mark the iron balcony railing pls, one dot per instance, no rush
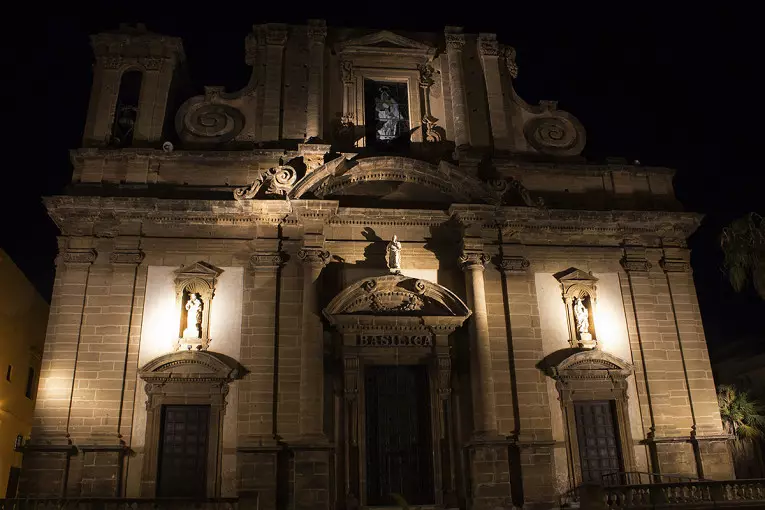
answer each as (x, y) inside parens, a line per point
(129, 504)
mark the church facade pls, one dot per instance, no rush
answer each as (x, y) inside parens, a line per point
(375, 270)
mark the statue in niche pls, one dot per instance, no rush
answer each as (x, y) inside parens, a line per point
(193, 317)
(394, 253)
(582, 319)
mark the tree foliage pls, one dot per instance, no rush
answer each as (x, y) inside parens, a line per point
(742, 416)
(743, 245)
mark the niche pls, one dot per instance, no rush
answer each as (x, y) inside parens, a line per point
(579, 292)
(194, 290)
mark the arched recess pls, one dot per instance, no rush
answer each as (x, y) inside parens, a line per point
(193, 378)
(591, 376)
(126, 108)
(397, 320)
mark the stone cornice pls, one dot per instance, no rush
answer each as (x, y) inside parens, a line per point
(71, 211)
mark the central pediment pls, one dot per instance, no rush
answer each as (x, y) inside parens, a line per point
(386, 42)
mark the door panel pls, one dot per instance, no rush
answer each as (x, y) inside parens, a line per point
(183, 451)
(599, 449)
(399, 452)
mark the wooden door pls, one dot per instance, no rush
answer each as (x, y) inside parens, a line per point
(399, 451)
(599, 449)
(183, 451)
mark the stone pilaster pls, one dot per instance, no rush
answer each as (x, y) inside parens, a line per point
(312, 348)
(455, 41)
(276, 38)
(484, 411)
(490, 57)
(659, 353)
(317, 33)
(533, 425)
(349, 96)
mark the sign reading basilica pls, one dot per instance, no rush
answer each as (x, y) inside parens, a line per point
(374, 270)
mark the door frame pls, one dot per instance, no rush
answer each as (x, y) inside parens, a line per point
(186, 378)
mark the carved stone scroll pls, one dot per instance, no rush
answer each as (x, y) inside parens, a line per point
(280, 181)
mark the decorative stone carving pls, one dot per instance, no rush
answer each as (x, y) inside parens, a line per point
(410, 303)
(433, 132)
(514, 264)
(194, 291)
(126, 257)
(280, 179)
(201, 121)
(426, 75)
(276, 35)
(473, 260)
(346, 68)
(455, 41)
(314, 256)
(580, 296)
(488, 45)
(444, 367)
(508, 52)
(393, 254)
(317, 31)
(369, 285)
(557, 134)
(79, 256)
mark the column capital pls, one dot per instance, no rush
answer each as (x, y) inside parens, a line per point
(317, 31)
(635, 264)
(346, 67)
(514, 264)
(134, 257)
(488, 45)
(79, 256)
(314, 256)
(674, 265)
(276, 34)
(473, 260)
(266, 260)
(454, 41)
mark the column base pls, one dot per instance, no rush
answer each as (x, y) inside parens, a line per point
(311, 465)
(258, 467)
(716, 458)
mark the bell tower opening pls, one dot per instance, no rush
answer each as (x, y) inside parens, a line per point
(126, 109)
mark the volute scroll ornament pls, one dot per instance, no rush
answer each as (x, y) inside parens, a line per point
(473, 260)
(314, 256)
(555, 133)
(201, 120)
(280, 179)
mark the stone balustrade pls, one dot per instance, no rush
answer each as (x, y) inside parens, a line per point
(244, 503)
(689, 495)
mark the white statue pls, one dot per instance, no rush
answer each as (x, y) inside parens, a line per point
(394, 253)
(582, 320)
(193, 317)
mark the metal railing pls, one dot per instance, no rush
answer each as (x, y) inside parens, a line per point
(129, 504)
(697, 493)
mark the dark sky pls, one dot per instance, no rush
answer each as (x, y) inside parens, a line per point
(677, 89)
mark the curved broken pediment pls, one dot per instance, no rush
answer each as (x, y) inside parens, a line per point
(585, 364)
(191, 366)
(397, 178)
(397, 296)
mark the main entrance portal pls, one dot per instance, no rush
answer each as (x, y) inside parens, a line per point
(399, 452)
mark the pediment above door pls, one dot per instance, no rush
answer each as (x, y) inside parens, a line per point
(384, 43)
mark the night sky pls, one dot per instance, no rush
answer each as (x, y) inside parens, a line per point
(665, 88)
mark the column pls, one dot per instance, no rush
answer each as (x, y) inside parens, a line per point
(484, 413)
(489, 50)
(276, 38)
(455, 41)
(317, 33)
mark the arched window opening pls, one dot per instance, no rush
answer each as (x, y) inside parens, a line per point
(126, 110)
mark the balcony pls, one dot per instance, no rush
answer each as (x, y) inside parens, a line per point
(243, 503)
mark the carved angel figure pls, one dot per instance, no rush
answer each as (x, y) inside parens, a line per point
(394, 253)
(582, 316)
(194, 317)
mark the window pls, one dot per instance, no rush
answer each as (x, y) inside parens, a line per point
(30, 382)
(8, 373)
(126, 110)
(387, 112)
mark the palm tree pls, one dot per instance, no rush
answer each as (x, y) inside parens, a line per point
(743, 245)
(742, 416)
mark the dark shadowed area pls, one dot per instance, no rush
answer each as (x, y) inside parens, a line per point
(667, 89)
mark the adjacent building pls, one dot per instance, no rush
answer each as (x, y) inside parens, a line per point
(23, 316)
(375, 269)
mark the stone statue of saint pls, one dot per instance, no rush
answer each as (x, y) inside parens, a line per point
(394, 253)
(582, 317)
(194, 317)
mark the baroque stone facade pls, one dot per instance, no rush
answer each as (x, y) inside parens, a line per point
(226, 297)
